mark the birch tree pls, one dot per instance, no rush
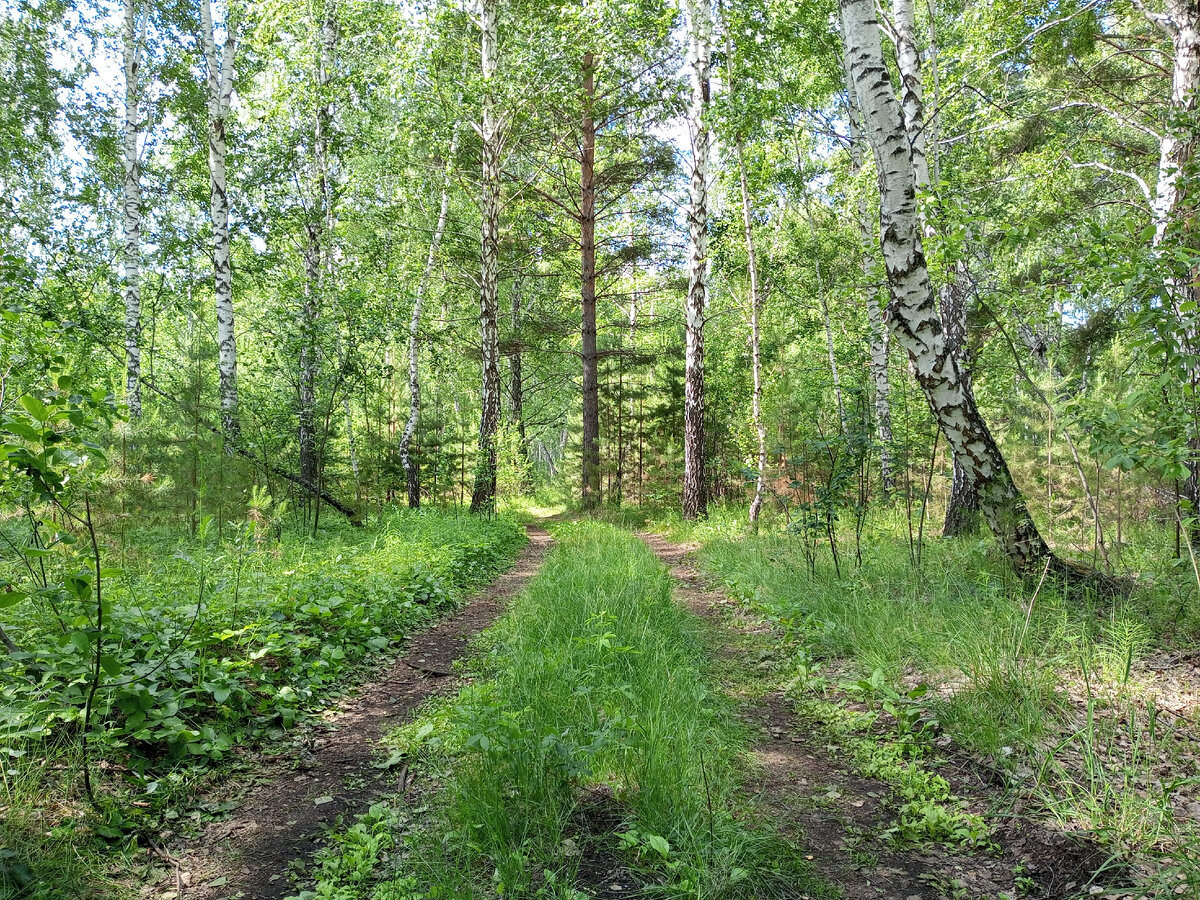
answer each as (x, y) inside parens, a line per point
(318, 236)
(483, 496)
(878, 338)
(913, 311)
(133, 35)
(1173, 224)
(219, 72)
(411, 468)
(699, 26)
(952, 296)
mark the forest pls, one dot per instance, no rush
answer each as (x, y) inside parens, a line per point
(599, 448)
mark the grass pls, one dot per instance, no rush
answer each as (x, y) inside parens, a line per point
(592, 733)
(1050, 689)
(210, 643)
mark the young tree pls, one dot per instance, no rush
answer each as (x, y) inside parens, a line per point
(411, 469)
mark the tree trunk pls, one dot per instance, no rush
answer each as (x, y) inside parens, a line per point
(962, 508)
(833, 366)
(877, 332)
(961, 518)
(587, 255)
(760, 428)
(318, 234)
(695, 501)
(412, 469)
(483, 495)
(134, 36)
(516, 375)
(220, 94)
(1172, 219)
(913, 312)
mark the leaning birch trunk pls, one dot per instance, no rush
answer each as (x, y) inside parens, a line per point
(877, 332)
(134, 37)
(590, 451)
(760, 428)
(1181, 22)
(913, 313)
(962, 508)
(220, 94)
(699, 15)
(412, 470)
(483, 496)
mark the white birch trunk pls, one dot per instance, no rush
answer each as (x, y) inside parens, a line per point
(1181, 22)
(219, 70)
(760, 427)
(878, 337)
(913, 312)
(411, 469)
(483, 497)
(134, 38)
(319, 268)
(699, 16)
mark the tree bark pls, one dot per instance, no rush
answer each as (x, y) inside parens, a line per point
(590, 488)
(961, 510)
(760, 427)
(913, 312)
(877, 332)
(317, 252)
(134, 37)
(1172, 219)
(220, 94)
(412, 469)
(695, 501)
(483, 495)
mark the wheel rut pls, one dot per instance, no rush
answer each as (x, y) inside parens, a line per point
(329, 774)
(840, 817)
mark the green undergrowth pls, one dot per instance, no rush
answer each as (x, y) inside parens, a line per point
(590, 739)
(208, 642)
(1044, 686)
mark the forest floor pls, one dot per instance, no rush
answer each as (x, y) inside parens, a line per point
(842, 819)
(808, 782)
(279, 812)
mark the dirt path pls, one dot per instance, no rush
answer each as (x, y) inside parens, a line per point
(281, 818)
(840, 818)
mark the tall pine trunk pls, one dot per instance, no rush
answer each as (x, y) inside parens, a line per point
(219, 70)
(412, 469)
(134, 36)
(587, 256)
(483, 495)
(913, 312)
(695, 501)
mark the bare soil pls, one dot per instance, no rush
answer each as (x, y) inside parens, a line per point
(840, 818)
(279, 820)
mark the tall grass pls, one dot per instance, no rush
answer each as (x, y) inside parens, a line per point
(595, 730)
(1044, 684)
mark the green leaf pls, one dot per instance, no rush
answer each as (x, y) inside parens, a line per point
(35, 408)
(81, 642)
(111, 665)
(659, 844)
(11, 598)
